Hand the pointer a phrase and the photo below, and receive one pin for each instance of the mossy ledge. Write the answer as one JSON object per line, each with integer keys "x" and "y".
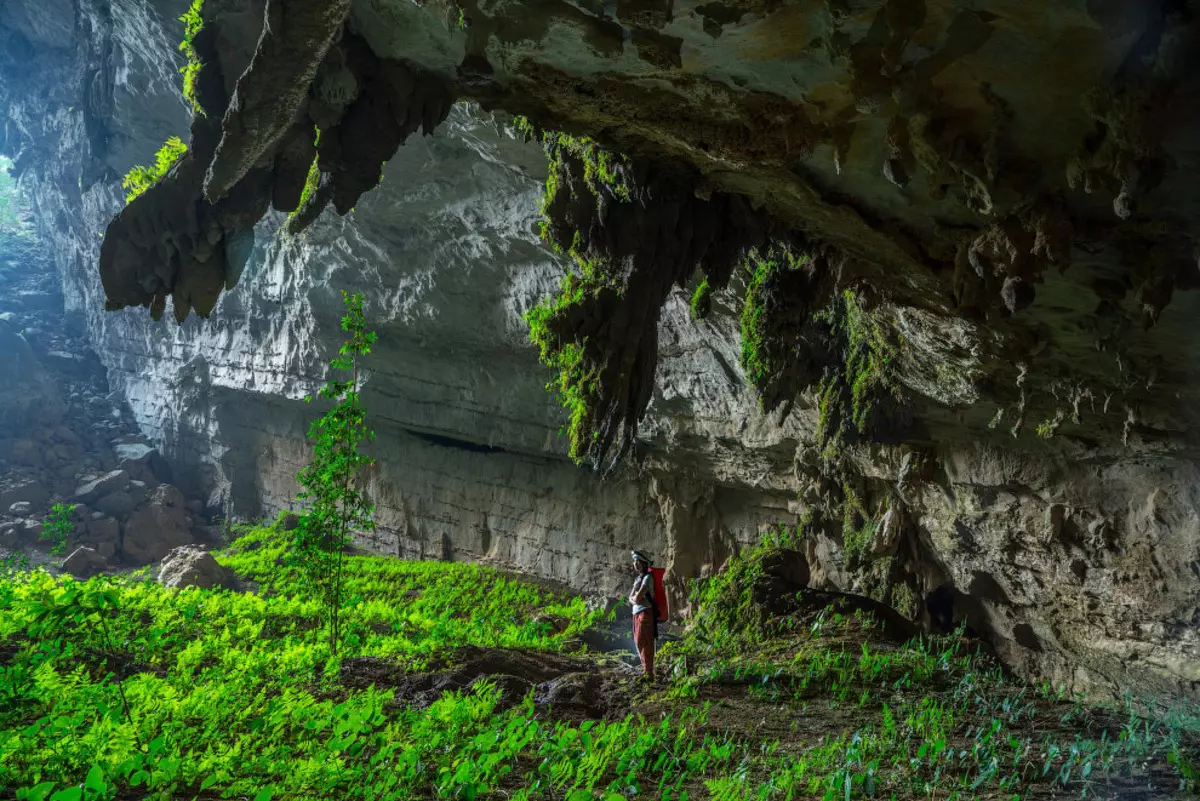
{"x": 632, "y": 232}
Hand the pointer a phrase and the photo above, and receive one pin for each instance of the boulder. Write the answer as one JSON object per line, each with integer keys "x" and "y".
{"x": 96, "y": 489}
{"x": 21, "y": 509}
{"x": 83, "y": 563}
{"x": 137, "y": 491}
{"x": 30, "y": 491}
{"x": 190, "y": 566}
{"x": 141, "y": 460}
{"x": 156, "y": 528}
{"x": 117, "y": 504}
{"x": 102, "y": 534}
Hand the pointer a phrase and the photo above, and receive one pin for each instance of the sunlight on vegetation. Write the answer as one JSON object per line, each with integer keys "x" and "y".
{"x": 132, "y": 690}
{"x": 139, "y": 179}
{"x": 239, "y": 692}
{"x": 193, "y": 22}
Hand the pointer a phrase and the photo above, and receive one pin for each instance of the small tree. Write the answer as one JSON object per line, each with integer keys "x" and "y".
{"x": 337, "y": 506}
{"x": 58, "y": 527}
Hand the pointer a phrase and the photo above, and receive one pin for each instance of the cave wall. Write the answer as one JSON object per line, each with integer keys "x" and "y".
{"x": 1080, "y": 561}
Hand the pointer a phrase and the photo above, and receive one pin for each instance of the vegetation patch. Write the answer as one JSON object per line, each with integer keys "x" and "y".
{"x": 238, "y": 694}
{"x": 193, "y": 22}
{"x": 311, "y": 182}
{"x": 701, "y": 304}
{"x": 139, "y": 179}
{"x": 120, "y": 688}
{"x": 834, "y": 706}
{"x": 577, "y": 360}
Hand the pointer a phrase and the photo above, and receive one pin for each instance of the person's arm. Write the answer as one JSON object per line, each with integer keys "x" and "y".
{"x": 638, "y": 596}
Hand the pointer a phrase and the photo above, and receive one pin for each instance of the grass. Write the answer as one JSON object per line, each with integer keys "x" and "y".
{"x": 139, "y": 179}
{"x": 118, "y": 688}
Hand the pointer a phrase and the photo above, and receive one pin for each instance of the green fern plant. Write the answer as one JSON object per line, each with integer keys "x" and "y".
{"x": 140, "y": 178}
{"x": 192, "y": 23}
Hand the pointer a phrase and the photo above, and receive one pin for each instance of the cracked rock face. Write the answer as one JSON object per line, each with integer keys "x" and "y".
{"x": 1025, "y": 245}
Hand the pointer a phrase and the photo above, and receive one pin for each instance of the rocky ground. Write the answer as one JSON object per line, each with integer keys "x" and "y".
{"x": 65, "y": 437}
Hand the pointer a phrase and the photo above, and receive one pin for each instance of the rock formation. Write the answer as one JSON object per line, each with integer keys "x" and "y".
{"x": 959, "y": 353}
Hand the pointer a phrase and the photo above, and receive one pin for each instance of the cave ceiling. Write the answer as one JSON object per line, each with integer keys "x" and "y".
{"x": 1008, "y": 186}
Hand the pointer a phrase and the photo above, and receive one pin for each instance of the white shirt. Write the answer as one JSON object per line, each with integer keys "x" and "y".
{"x": 637, "y": 585}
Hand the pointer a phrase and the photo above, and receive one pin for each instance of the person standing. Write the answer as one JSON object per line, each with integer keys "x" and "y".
{"x": 645, "y": 613}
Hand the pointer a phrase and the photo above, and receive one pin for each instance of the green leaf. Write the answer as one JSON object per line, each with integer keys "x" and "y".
{"x": 69, "y": 794}
{"x": 263, "y": 795}
{"x": 209, "y": 782}
{"x": 37, "y": 792}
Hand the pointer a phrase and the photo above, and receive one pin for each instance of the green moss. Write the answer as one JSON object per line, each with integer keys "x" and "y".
{"x": 604, "y": 171}
{"x": 139, "y": 179}
{"x": 849, "y": 391}
{"x": 193, "y": 22}
{"x": 728, "y": 614}
{"x": 761, "y": 346}
{"x": 578, "y": 382}
{"x": 858, "y": 530}
{"x": 701, "y": 304}
{"x": 578, "y": 364}
{"x": 314, "y": 178}
{"x": 1048, "y": 428}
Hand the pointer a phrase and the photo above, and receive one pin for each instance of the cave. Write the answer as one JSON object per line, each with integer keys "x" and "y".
{"x": 911, "y": 283}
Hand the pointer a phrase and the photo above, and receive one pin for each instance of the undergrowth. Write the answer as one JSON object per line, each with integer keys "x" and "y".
{"x": 833, "y": 709}
{"x": 239, "y": 693}
{"x": 119, "y": 688}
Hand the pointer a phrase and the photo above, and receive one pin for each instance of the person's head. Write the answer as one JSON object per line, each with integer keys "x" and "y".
{"x": 641, "y": 562}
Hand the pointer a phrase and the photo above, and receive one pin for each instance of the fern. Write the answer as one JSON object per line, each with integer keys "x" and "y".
{"x": 140, "y": 178}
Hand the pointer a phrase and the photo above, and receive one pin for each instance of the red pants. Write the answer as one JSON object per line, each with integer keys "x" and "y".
{"x": 643, "y": 638}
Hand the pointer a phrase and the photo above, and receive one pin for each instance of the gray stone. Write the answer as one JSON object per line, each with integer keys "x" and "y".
{"x": 116, "y": 504}
{"x": 83, "y": 563}
{"x": 156, "y": 528}
{"x": 103, "y": 531}
{"x": 21, "y": 509}
{"x": 190, "y": 566}
{"x": 92, "y": 491}
{"x": 30, "y": 491}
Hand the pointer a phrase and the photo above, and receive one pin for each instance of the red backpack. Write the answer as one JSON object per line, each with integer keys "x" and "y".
{"x": 661, "y": 607}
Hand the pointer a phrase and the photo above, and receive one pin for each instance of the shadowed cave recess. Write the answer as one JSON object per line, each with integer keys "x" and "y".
{"x": 915, "y": 278}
